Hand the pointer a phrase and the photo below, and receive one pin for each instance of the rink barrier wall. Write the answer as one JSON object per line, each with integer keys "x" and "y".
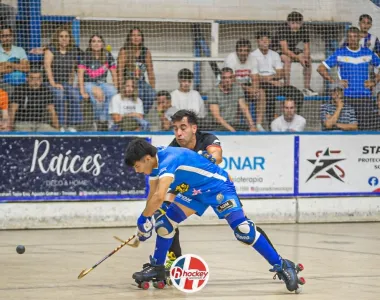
{"x": 281, "y": 178}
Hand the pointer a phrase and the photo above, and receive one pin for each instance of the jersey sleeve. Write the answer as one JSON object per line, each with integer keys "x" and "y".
{"x": 332, "y": 61}
{"x": 167, "y": 167}
{"x": 375, "y": 60}
{"x": 212, "y": 140}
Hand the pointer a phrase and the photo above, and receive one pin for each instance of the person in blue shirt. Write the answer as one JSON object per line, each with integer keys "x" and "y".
{"x": 353, "y": 63}
{"x": 200, "y": 184}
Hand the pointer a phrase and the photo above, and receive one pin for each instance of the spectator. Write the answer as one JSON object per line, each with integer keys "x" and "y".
{"x": 135, "y": 60}
{"x": 225, "y": 101}
{"x": 186, "y": 98}
{"x": 353, "y": 63}
{"x": 289, "y": 120}
{"x": 14, "y": 63}
{"x": 61, "y": 60}
{"x": 337, "y": 115}
{"x": 269, "y": 70}
{"x": 160, "y": 115}
{"x": 4, "y": 115}
{"x": 367, "y": 40}
{"x": 30, "y": 106}
{"x": 290, "y": 36}
{"x": 242, "y": 64}
{"x": 92, "y": 77}
{"x": 127, "y": 109}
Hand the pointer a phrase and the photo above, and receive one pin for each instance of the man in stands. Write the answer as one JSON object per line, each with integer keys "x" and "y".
{"x": 14, "y": 63}
{"x": 293, "y": 43}
{"x": 32, "y": 105}
{"x": 336, "y": 115}
{"x": 225, "y": 101}
{"x": 289, "y": 121}
{"x": 160, "y": 115}
{"x": 185, "y": 97}
{"x": 354, "y": 63}
{"x": 269, "y": 70}
{"x": 242, "y": 64}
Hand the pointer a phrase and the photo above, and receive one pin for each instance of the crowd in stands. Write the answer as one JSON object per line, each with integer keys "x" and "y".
{"x": 50, "y": 99}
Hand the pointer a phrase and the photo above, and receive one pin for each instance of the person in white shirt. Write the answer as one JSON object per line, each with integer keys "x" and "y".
{"x": 242, "y": 63}
{"x": 289, "y": 120}
{"x": 127, "y": 110}
{"x": 269, "y": 71}
{"x": 186, "y": 98}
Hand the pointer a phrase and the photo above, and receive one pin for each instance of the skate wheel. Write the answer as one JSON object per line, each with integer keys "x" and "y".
{"x": 300, "y": 268}
{"x": 144, "y": 285}
{"x": 159, "y": 285}
{"x": 299, "y": 290}
{"x": 301, "y": 281}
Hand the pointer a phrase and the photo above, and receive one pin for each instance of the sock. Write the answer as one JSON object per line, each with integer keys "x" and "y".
{"x": 176, "y": 246}
{"x": 267, "y": 251}
{"x": 163, "y": 244}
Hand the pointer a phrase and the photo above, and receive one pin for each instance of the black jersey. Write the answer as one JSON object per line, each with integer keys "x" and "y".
{"x": 204, "y": 140}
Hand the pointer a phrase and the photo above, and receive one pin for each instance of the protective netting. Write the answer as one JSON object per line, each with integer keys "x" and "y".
{"x": 111, "y": 75}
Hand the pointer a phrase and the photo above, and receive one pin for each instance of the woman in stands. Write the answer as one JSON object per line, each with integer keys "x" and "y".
{"x": 135, "y": 60}
{"x": 127, "y": 109}
{"x": 61, "y": 58}
{"x": 92, "y": 76}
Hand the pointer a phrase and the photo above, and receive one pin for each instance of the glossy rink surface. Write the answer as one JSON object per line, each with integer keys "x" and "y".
{"x": 342, "y": 262}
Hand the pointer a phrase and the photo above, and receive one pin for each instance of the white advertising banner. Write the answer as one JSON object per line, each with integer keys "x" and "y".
{"x": 259, "y": 165}
{"x": 339, "y": 164}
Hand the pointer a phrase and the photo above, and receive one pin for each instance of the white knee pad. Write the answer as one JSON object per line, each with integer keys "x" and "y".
{"x": 246, "y": 233}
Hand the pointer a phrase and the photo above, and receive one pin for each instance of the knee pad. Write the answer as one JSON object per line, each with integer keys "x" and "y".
{"x": 246, "y": 233}
{"x": 164, "y": 226}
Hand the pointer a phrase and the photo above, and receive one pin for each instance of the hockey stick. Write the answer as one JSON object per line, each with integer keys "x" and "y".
{"x": 135, "y": 243}
{"x": 85, "y": 272}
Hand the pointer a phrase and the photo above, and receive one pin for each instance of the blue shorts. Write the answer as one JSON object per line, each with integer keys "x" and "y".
{"x": 225, "y": 204}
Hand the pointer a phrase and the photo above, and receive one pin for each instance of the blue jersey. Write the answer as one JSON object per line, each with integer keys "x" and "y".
{"x": 354, "y": 66}
{"x": 194, "y": 176}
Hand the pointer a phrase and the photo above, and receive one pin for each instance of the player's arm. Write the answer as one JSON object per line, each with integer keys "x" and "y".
{"x": 215, "y": 152}
{"x": 155, "y": 201}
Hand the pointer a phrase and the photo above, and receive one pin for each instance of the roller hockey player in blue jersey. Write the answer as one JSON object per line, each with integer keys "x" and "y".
{"x": 200, "y": 184}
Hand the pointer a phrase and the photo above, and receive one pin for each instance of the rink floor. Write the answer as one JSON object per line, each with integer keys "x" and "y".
{"x": 341, "y": 262}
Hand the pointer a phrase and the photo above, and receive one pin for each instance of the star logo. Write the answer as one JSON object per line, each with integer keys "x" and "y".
{"x": 196, "y": 192}
{"x": 326, "y": 165}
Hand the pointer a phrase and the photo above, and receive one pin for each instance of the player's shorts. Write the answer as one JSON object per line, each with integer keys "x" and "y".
{"x": 224, "y": 204}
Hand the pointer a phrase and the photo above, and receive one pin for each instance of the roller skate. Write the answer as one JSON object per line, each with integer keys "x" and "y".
{"x": 170, "y": 260}
{"x": 150, "y": 272}
{"x": 288, "y": 272}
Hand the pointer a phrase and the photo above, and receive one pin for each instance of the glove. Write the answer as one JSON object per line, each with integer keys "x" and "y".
{"x": 144, "y": 228}
{"x": 207, "y": 155}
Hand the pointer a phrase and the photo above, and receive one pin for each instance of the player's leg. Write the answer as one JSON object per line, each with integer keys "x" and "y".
{"x": 165, "y": 225}
{"x": 247, "y": 233}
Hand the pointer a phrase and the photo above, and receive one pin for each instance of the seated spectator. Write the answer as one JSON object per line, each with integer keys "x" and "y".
{"x": 337, "y": 115}
{"x": 269, "y": 70}
{"x": 134, "y": 60}
{"x": 289, "y": 120}
{"x": 160, "y": 115}
{"x": 355, "y": 78}
{"x": 61, "y": 60}
{"x": 14, "y": 63}
{"x": 242, "y": 64}
{"x": 367, "y": 40}
{"x": 31, "y": 105}
{"x": 4, "y": 115}
{"x": 127, "y": 110}
{"x": 92, "y": 77}
{"x": 225, "y": 101}
{"x": 293, "y": 43}
{"x": 185, "y": 97}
